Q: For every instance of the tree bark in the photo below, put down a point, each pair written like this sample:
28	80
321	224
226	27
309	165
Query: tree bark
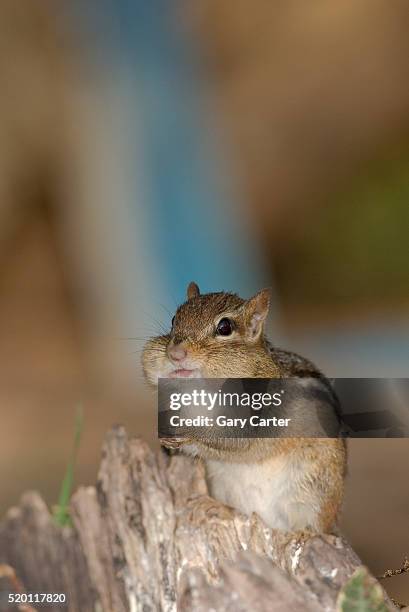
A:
149	538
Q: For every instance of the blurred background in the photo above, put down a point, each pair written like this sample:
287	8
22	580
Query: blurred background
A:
145	145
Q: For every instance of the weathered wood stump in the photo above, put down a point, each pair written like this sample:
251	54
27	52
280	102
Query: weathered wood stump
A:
148	537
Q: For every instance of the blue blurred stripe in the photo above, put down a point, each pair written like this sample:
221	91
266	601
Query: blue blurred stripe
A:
197	231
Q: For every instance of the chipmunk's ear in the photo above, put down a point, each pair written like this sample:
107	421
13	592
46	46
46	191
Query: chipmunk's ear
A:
192	290
256	309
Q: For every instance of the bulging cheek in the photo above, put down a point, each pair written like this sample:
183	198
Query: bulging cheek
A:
154	364
217	368
226	366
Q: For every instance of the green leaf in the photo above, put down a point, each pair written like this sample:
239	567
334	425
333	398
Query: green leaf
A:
362	593
61	511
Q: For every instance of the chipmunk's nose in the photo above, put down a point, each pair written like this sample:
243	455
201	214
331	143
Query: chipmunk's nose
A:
177	352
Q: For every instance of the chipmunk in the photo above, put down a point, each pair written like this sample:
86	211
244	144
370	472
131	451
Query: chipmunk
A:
292	483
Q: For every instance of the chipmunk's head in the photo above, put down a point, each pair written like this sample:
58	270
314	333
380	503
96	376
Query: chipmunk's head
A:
214	335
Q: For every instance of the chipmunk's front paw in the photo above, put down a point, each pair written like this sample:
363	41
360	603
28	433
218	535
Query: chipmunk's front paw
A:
173	443
204	509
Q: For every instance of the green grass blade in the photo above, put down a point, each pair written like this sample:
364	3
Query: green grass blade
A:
61	511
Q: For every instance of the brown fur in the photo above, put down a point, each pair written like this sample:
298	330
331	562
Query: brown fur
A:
247	353
194	328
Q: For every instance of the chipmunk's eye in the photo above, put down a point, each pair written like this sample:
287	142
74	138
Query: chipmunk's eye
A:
224	327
